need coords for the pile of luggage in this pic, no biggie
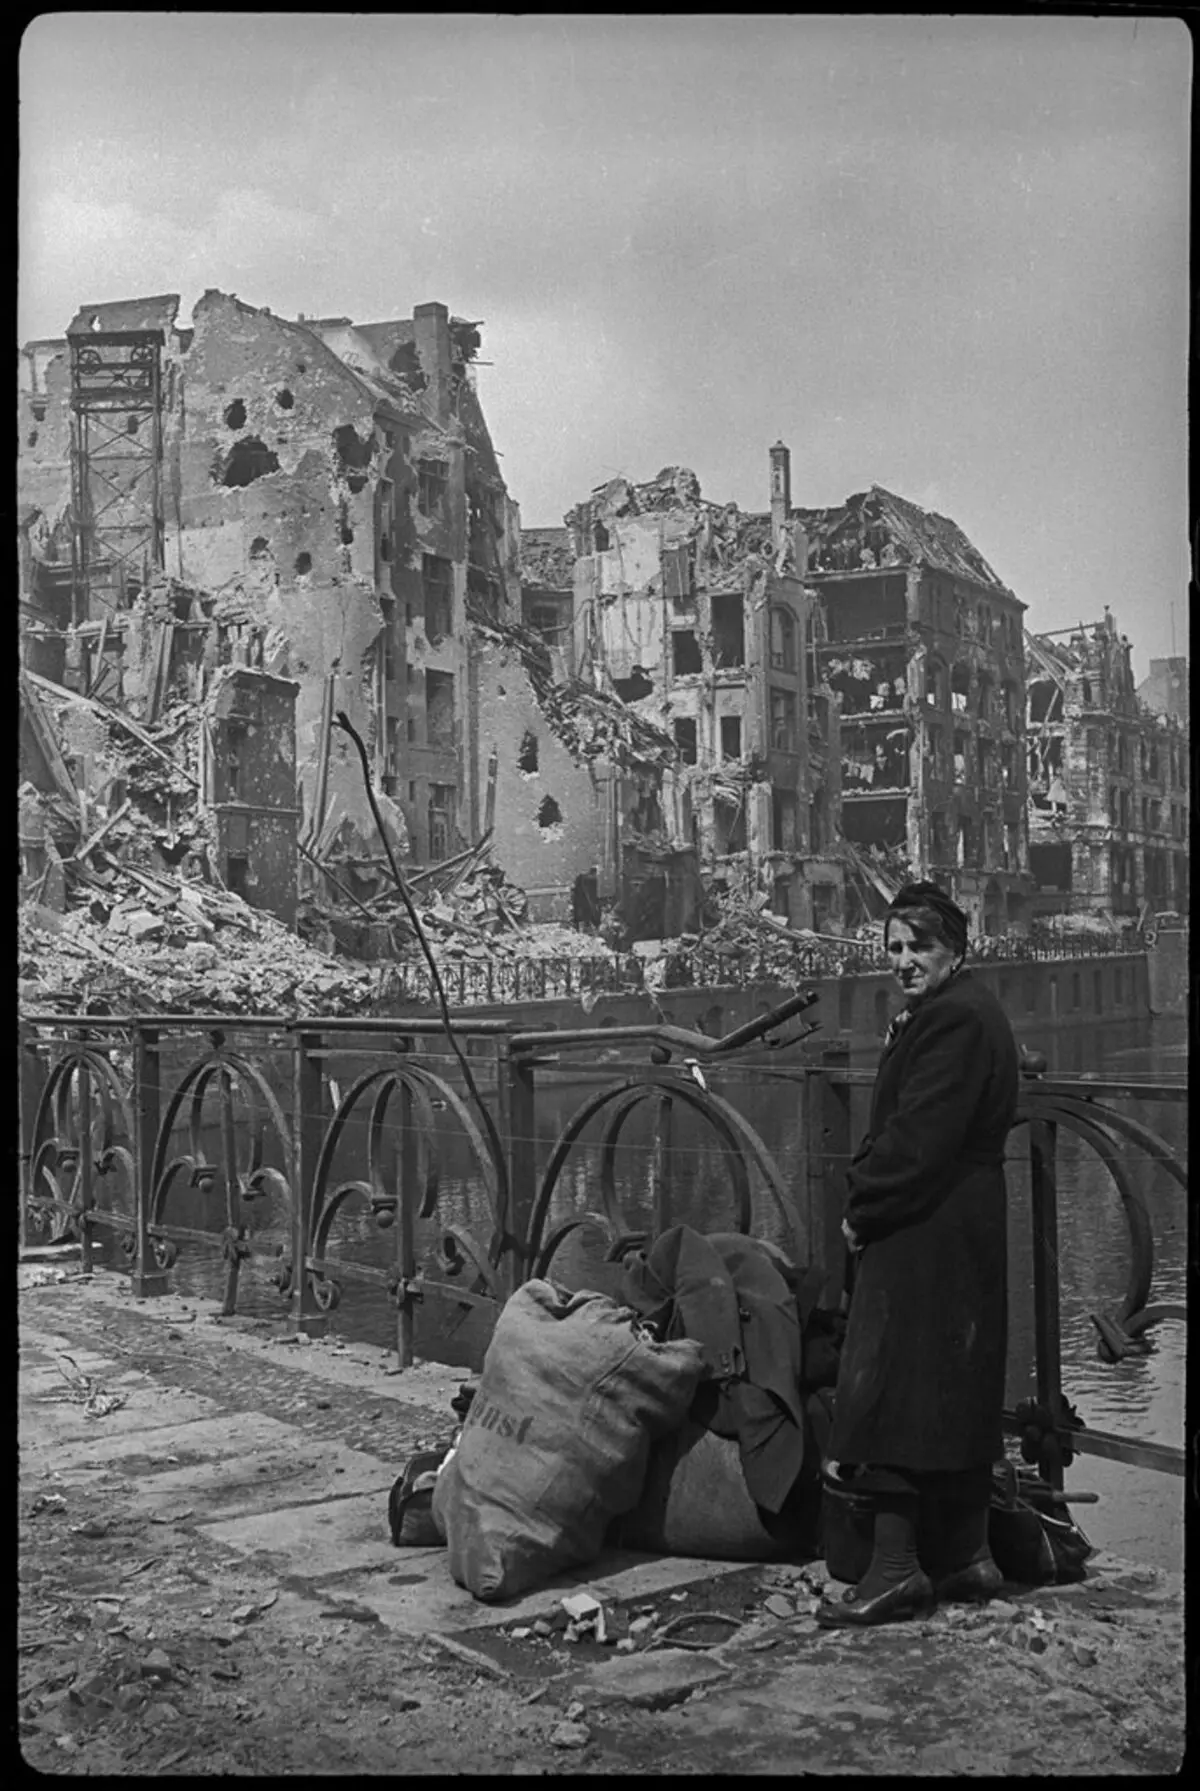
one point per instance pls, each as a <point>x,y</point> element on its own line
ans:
<point>689,1418</point>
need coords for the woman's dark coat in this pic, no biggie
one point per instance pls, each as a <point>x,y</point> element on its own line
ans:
<point>921,1379</point>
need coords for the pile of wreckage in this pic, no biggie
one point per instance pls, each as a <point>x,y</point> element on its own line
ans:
<point>122,909</point>
<point>749,943</point>
<point>134,941</point>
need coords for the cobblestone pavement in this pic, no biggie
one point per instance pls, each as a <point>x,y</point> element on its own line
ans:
<point>156,1640</point>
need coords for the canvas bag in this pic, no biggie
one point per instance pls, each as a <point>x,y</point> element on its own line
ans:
<point>574,1390</point>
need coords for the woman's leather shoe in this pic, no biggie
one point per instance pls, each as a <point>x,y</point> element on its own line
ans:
<point>982,1579</point>
<point>908,1598</point>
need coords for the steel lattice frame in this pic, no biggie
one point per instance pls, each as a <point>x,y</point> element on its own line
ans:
<point>116,466</point>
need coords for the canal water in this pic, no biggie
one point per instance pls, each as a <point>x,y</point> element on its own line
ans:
<point>1139,1397</point>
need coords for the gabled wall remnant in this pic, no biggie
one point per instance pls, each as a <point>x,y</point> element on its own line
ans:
<point>1108,780</point>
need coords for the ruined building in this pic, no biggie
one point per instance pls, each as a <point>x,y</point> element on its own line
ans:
<point>318,501</point>
<point>695,616</point>
<point>1108,780</point>
<point>923,645</point>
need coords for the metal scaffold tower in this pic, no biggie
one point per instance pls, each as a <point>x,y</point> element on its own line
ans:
<point>116,468</point>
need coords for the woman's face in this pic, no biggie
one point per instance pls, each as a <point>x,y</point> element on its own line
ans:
<point>919,961</point>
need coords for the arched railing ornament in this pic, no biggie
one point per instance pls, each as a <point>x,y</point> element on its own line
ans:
<point>421,1085</point>
<point>74,1134</point>
<point>1095,1125</point>
<point>244,1173</point>
<point>737,1139</point>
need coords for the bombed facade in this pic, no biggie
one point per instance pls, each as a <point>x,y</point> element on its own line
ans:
<point>922,644</point>
<point>318,502</point>
<point>1108,778</point>
<point>694,615</point>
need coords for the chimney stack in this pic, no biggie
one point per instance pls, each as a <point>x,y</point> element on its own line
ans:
<point>781,490</point>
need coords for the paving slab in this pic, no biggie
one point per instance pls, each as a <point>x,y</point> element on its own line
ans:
<point>170,1445</point>
<point>253,1481</point>
<point>47,1426</point>
<point>410,1590</point>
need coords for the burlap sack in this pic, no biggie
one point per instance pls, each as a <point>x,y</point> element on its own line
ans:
<point>556,1442</point>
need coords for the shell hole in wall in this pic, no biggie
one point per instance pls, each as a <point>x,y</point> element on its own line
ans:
<point>347,534</point>
<point>132,424</point>
<point>246,461</point>
<point>32,438</point>
<point>303,564</point>
<point>527,758</point>
<point>235,414</point>
<point>549,814</point>
<point>260,548</point>
<point>284,399</point>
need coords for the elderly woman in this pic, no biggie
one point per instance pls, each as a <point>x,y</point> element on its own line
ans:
<point>920,1392</point>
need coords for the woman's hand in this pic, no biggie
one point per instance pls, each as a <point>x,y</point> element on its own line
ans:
<point>850,1235</point>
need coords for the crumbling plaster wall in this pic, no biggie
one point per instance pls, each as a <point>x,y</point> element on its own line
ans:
<point>44,457</point>
<point>537,854</point>
<point>298,544</point>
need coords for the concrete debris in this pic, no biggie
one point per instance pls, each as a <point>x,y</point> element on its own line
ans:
<point>249,961</point>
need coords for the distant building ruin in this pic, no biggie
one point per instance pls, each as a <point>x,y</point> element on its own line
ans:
<point>1108,780</point>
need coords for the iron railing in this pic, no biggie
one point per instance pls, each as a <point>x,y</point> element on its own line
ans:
<point>283,1129</point>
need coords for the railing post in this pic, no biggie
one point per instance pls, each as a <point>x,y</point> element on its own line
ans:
<point>1043,1174</point>
<point>30,1083</point>
<point>149,1277</point>
<point>661,1164</point>
<point>515,1102</point>
<point>825,1154</point>
<point>308,1126</point>
<point>407,1240</point>
<point>87,1167</point>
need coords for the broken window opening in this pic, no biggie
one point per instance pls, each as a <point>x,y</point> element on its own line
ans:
<point>442,827</point>
<point>433,483</point>
<point>237,872</point>
<point>728,631</point>
<point>966,842</point>
<point>303,564</point>
<point>783,639</point>
<point>247,460</point>
<point>633,688</point>
<point>235,414</point>
<point>436,579</point>
<point>960,689</point>
<point>685,653</point>
<point>601,540</point>
<point>729,826</point>
<point>686,739</point>
<point>939,837</point>
<point>132,424</point>
<point>1086,692</point>
<point>731,736</point>
<point>783,720</point>
<point>549,814</point>
<point>527,758</point>
<point>284,399</point>
<point>353,454</point>
<point>984,700</point>
<point>783,820</point>
<point>439,708</point>
<point>935,683</point>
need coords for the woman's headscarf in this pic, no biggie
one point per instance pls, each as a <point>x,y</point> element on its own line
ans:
<point>925,903</point>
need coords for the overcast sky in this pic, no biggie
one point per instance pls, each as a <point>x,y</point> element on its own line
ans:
<point>944,255</point>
